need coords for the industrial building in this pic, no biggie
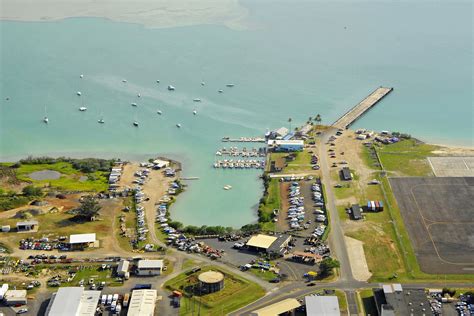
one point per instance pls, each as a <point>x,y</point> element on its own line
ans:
<point>286,145</point>
<point>322,305</point>
<point>15,297</point>
<point>74,301</point>
<point>287,306</point>
<point>149,267</point>
<point>81,241</point>
<point>26,226</point>
<point>269,244</point>
<point>142,303</point>
<point>392,299</point>
<point>211,281</point>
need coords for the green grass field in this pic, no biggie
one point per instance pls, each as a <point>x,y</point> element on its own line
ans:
<point>69,180</point>
<point>237,292</point>
<point>272,201</point>
<point>407,158</point>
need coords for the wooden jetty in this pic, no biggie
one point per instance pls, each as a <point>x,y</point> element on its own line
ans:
<point>189,178</point>
<point>363,106</point>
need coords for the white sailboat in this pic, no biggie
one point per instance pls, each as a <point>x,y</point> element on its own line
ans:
<point>171,88</point>
<point>82,108</point>
<point>79,93</point>
<point>159,112</point>
<point>45,118</point>
<point>178,125</point>
<point>195,112</point>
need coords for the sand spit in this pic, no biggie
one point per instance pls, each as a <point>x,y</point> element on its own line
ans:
<point>150,13</point>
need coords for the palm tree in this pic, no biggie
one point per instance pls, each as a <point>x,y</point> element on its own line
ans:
<point>289,121</point>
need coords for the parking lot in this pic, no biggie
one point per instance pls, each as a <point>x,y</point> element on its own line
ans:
<point>437,213</point>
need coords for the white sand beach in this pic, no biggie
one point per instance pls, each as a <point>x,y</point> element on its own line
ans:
<point>150,13</point>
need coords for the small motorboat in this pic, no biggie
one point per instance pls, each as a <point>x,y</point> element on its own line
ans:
<point>46,120</point>
<point>101,121</point>
<point>195,112</point>
<point>134,104</point>
<point>124,80</point>
<point>79,93</point>
<point>82,109</point>
<point>230,85</point>
<point>157,81</point>
<point>178,125</point>
<point>197,100</point>
<point>220,91</point>
<point>81,76</point>
<point>139,95</point>
<point>203,83</point>
<point>171,88</point>
<point>159,112</point>
<point>135,124</point>
<point>227,187</point>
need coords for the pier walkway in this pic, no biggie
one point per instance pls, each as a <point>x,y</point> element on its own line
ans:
<point>363,106</point>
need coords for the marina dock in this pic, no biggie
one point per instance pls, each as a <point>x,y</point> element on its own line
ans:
<point>363,106</point>
<point>244,140</point>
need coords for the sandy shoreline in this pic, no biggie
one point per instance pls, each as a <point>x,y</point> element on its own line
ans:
<point>150,13</point>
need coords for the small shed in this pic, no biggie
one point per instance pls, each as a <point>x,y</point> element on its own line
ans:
<point>346,174</point>
<point>26,226</point>
<point>122,268</point>
<point>356,214</point>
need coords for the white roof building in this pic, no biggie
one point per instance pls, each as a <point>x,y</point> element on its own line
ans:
<point>142,303</point>
<point>150,264</point>
<point>82,238</point>
<point>322,305</point>
<point>123,267</point>
<point>74,301</point>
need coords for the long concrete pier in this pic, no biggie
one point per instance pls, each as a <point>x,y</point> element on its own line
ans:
<point>363,106</point>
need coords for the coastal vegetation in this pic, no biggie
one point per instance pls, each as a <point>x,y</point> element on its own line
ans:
<point>88,174</point>
<point>237,292</point>
<point>406,158</point>
<point>270,201</point>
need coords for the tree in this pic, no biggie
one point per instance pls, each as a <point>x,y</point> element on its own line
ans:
<point>318,119</point>
<point>176,225</point>
<point>289,121</point>
<point>88,209</point>
<point>30,190</point>
<point>327,265</point>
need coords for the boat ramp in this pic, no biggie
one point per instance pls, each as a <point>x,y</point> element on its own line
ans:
<point>363,106</point>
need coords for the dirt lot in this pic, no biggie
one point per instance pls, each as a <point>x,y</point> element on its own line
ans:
<point>438,215</point>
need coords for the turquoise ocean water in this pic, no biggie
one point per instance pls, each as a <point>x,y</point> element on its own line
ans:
<point>295,60</point>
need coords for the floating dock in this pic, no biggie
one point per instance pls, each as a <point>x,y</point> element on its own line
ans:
<point>363,106</point>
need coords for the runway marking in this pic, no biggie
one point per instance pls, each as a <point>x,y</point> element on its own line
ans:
<point>424,220</point>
